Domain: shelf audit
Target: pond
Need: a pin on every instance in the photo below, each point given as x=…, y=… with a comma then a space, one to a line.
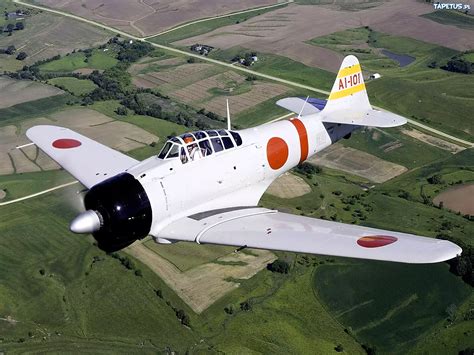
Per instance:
x=402, y=59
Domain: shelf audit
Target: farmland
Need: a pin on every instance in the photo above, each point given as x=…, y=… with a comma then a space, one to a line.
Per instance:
x=15, y=92
x=146, y=19
x=47, y=35
x=98, y=60
x=77, y=87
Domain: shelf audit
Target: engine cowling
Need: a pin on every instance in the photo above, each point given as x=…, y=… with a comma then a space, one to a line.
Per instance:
x=118, y=212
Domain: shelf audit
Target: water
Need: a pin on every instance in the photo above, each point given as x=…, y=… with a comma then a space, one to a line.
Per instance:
x=402, y=59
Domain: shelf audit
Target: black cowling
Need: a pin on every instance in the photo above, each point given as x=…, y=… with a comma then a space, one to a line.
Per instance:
x=124, y=209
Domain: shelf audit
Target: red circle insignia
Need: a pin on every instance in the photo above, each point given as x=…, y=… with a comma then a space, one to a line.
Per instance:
x=375, y=241
x=66, y=143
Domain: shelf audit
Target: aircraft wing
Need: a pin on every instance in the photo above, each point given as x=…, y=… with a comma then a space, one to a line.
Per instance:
x=268, y=229
x=88, y=161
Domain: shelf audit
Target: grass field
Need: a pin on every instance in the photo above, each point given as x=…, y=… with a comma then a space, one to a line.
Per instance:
x=20, y=185
x=185, y=256
x=394, y=146
x=439, y=98
x=282, y=67
x=397, y=304
x=98, y=60
x=454, y=18
x=206, y=26
x=77, y=87
x=18, y=113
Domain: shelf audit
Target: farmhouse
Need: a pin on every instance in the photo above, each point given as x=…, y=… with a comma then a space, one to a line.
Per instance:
x=375, y=76
x=201, y=49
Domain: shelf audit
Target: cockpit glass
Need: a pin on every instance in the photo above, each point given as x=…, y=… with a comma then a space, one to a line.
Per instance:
x=223, y=132
x=212, y=133
x=174, y=152
x=200, y=135
x=237, y=138
x=217, y=144
x=205, y=147
x=227, y=142
x=165, y=150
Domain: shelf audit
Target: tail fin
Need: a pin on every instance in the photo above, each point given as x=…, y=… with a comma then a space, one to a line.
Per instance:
x=348, y=102
x=348, y=91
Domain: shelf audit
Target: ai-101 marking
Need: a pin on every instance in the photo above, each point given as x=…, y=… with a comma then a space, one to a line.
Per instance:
x=204, y=186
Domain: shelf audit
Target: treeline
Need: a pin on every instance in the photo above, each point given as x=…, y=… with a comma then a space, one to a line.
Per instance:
x=462, y=265
x=115, y=84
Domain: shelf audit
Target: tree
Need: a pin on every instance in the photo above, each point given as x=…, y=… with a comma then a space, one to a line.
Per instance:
x=186, y=320
x=246, y=306
x=159, y=293
x=10, y=27
x=21, y=56
x=436, y=179
x=339, y=348
x=122, y=111
x=451, y=312
x=10, y=50
x=19, y=26
x=279, y=266
x=191, y=60
x=138, y=272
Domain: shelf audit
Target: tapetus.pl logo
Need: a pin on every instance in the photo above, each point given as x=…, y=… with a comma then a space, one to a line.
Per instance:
x=451, y=6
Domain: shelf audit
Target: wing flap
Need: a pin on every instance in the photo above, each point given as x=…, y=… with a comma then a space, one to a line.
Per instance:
x=87, y=160
x=265, y=229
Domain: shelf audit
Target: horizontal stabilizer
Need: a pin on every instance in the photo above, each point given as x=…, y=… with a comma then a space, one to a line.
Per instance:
x=369, y=118
x=300, y=106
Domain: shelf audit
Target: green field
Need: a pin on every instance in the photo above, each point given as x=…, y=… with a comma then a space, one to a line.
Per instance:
x=282, y=67
x=19, y=185
x=37, y=108
x=99, y=60
x=439, y=98
x=454, y=18
x=77, y=87
x=411, y=153
x=207, y=26
x=185, y=256
x=389, y=305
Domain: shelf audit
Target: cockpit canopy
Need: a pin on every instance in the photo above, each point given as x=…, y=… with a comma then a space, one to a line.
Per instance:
x=200, y=144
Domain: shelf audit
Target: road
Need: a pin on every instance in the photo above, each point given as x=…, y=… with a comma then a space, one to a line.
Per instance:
x=38, y=193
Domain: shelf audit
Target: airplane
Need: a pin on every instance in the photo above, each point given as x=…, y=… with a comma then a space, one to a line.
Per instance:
x=204, y=186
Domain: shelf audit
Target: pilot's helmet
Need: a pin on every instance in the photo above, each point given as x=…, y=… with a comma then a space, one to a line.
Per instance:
x=188, y=139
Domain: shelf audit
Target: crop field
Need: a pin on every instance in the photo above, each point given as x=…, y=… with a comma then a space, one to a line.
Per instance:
x=286, y=31
x=209, y=274
x=397, y=304
x=394, y=146
x=454, y=18
x=357, y=162
x=288, y=186
x=75, y=86
x=119, y=135
x=458, y=198
x=14, y=92
x=147, y=18
x=98, y=60
x=207, y=86
x=47, y=35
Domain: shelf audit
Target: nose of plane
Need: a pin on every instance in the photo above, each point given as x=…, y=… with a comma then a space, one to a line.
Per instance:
x=85, y=223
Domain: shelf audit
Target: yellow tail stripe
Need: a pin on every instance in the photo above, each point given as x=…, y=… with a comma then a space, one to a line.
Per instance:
x=349, y=70
x=346, y=92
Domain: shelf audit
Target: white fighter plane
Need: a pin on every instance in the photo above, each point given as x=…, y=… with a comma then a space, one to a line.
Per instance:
x=204, y=186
